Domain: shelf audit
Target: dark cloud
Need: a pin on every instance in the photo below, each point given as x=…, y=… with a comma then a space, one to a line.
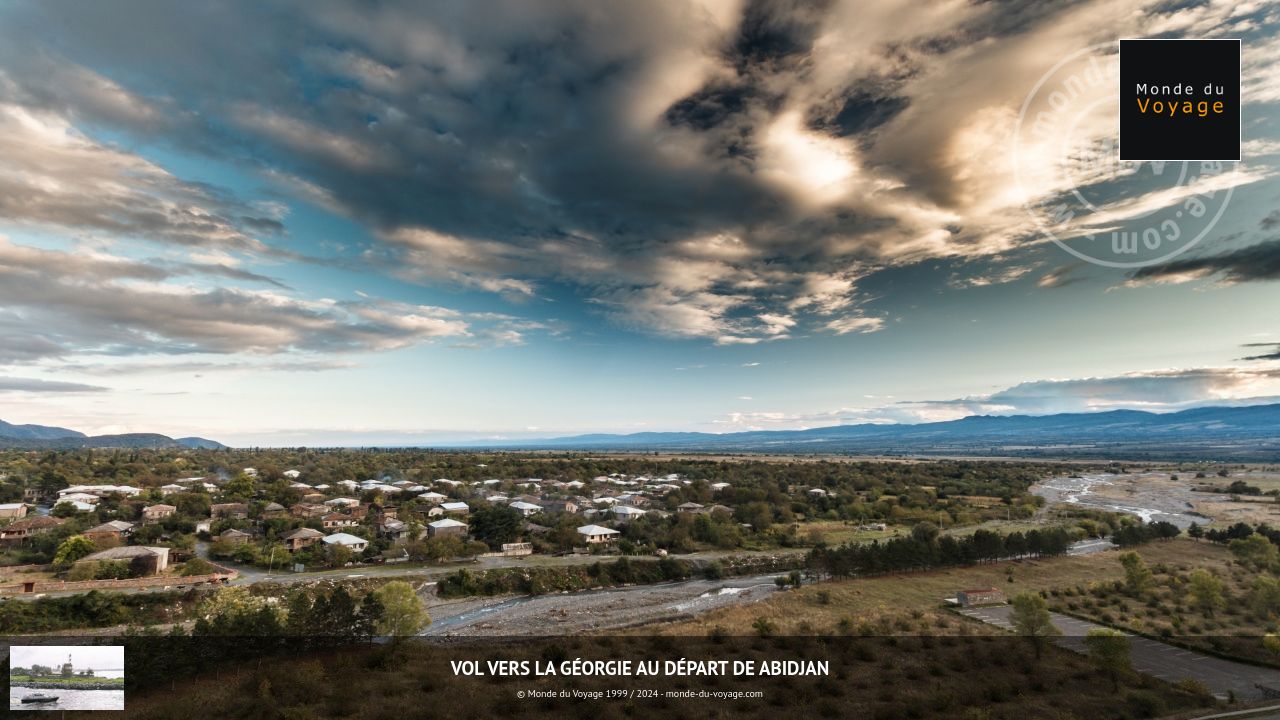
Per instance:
x=1272, y=352
x=1247, y=264
x=33, y=385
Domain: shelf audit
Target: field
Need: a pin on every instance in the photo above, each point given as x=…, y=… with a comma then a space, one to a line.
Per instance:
x=916, y=599
x=1167, y=609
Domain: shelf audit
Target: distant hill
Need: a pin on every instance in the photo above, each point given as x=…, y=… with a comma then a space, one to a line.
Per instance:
x=1239, y=433
x=36, y=432
x=41, y=437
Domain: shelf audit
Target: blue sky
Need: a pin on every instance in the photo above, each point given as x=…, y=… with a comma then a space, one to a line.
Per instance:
x=332, y=223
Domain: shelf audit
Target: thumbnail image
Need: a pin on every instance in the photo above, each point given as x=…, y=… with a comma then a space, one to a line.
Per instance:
x=66, y=677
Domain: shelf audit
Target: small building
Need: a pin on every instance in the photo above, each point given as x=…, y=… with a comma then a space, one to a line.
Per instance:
x=301, y=538
x=274, y=510
x=561, y=506
x=337, y=520
x=308, y=510
x=447, y=526
x=116, y=530
x=596, y=534
x=153, y=513
x=689, y=507
x=525, y=508
x=232, y=536
x=626, y=513
x=229, y=510
x=147, y=560
x=355, y=543
x=21, y=530
x=980, y=596
x=13, y=511
x=455, y=508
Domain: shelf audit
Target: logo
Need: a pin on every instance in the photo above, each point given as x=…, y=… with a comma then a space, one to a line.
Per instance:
x=1101, y=209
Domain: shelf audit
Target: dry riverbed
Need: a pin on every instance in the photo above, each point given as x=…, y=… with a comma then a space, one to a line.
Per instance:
x=593, y=610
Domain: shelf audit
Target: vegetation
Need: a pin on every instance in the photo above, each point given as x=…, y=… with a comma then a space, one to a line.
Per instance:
x=1031, y=619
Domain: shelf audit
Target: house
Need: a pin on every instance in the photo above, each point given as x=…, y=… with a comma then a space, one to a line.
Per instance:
x=273, y=510
x=100, y=490
x=394, y=530
x=234, y=537
x=817, y=492
x=561, y=506
x=689, y=507
x=525, y=508
x=308, y=510
x=82, y=498
x=147, y=560
x=152, y=513
x=455, y=508
x=13, y=511
x=342, y=502
x=337, y=520
x=229, y=510
x=20, y=530
x=356, y=544
x=717, y=487
x=171, y=488
x=434, y=498
x=301, y=538
x=447, y=526
x=116, y=530
x=596, y=534
x=980, y=596
x=626, y=513
x=292, y=474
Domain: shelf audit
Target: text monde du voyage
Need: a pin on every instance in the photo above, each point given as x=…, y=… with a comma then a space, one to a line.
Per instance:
x=1181, y=99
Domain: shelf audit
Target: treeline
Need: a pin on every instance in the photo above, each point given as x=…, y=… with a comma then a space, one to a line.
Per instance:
x=539, y=581
x=1137, y=533
x=93, y=609
x=919, y=551
x=1238, y=531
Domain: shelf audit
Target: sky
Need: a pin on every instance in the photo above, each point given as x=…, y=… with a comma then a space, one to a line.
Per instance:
x=326, y=222
x=102, y=657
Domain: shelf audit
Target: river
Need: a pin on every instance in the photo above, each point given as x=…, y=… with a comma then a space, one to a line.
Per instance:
x=68, y=699
x=1148, y=500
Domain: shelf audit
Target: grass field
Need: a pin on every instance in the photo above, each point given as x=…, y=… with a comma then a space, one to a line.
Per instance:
x=73, y=680
x=916, y=599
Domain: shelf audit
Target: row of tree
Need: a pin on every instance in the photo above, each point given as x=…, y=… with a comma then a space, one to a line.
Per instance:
x=924, y=549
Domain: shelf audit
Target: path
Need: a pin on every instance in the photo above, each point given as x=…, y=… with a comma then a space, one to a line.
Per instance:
x=1167, y=662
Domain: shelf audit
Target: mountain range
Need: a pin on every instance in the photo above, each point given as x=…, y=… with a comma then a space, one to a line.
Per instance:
x=1251, y=432
x=40, y=437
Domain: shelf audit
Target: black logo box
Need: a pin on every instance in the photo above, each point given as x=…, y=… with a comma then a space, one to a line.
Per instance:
x=1185, y=67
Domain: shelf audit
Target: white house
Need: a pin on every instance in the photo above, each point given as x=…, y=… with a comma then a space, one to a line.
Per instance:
x=357, y=544
x=433, y=497
x=292, y=474
x=625, y=513
x=594, y=534
x=342, y=502
x=171, y=488
x=455, y=508
x=526, y=509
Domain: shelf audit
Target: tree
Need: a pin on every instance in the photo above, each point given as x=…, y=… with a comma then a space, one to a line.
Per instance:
x=1109, y=653
x=1255, y=552
x=925, y=532
x=1137, y=576
x=1265, y=597
x=495, y=525
x=1206, y=591
x=1031, y=619
x=1195, y=531
x=403, y=612
x=72, y=549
